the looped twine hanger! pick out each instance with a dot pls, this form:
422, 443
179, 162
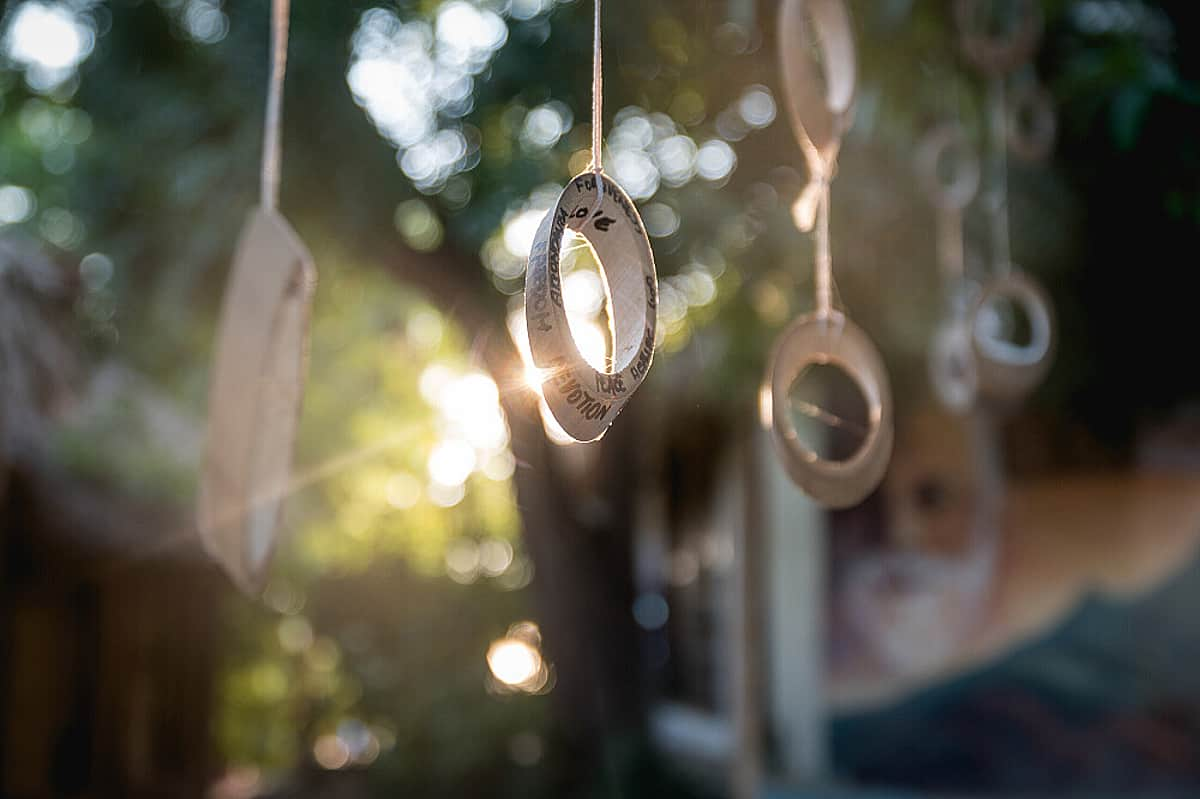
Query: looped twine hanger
996, 54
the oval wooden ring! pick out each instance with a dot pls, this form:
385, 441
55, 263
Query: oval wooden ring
1031, 142
1008, 372
998, 54
584, 400
952, 368
948, 140
820, 111
818, 340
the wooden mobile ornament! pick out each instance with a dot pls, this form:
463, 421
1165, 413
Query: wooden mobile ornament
1008, 371
948, 170
258, 368
583, 399
821, 111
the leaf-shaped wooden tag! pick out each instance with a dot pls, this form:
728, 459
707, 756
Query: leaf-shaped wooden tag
254, 398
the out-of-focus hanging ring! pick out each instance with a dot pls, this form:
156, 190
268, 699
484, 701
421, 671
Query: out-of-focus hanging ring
1008, 371
583, 399
948, 167
998, 52
816, 340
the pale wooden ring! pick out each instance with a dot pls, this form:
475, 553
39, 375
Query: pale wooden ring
583, 399
998, 54
1007, 373
948, 140
817, 340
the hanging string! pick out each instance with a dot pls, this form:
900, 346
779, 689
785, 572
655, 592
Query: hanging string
269, 185
822, 259
597, 93
998, 122
952, 239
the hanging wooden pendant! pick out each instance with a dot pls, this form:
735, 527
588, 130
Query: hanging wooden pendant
820, 102
950, 173
834, 340
1007, 368
1008, 371
254, 399
258, 368
585, 400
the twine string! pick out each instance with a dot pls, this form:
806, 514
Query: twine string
822, 259
269, 178
597, 93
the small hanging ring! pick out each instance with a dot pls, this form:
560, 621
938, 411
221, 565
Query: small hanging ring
948, 167
584, 400
821, 340
997, 52
1007, 371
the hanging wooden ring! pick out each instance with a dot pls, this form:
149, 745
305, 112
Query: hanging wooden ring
948, 167
820, 103
815, 340
254, 397
1008, 372
583, 399
1032, 123
997, 53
